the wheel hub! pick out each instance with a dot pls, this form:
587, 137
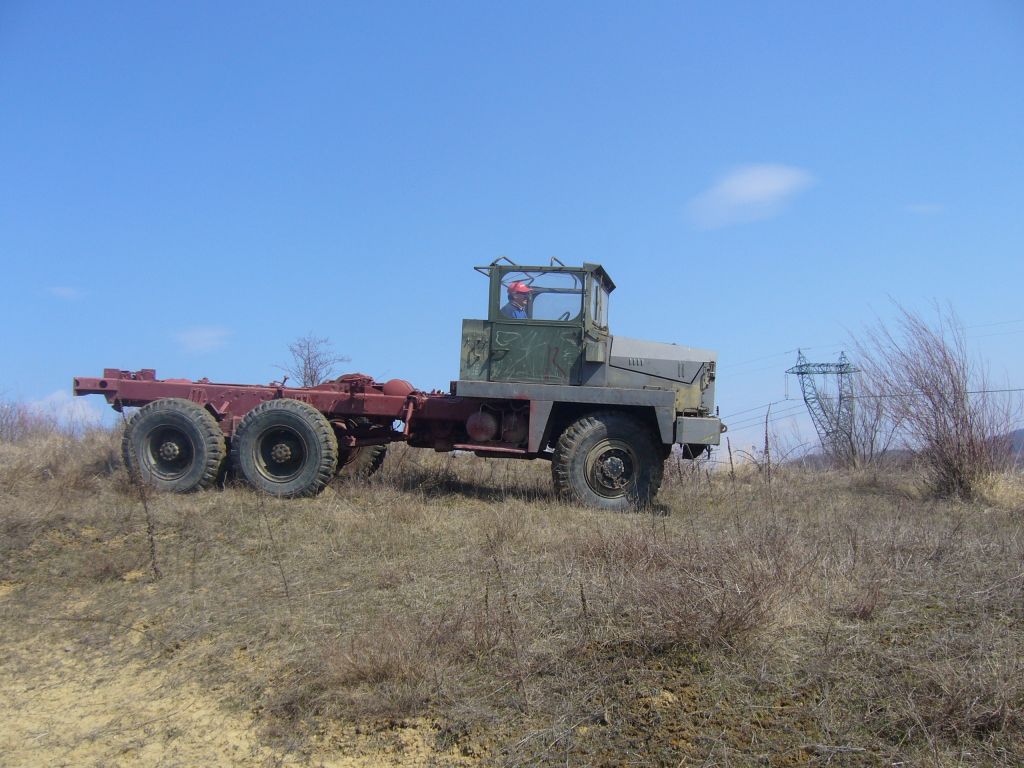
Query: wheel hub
281, 453
168, 453
612, 469
169, 450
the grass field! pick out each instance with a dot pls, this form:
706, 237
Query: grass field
451, 611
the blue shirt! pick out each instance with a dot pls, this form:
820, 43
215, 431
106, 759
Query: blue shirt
514, 312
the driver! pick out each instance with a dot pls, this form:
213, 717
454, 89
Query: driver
518, 296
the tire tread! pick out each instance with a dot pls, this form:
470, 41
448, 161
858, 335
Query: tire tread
209, 432
321, 427
569, 442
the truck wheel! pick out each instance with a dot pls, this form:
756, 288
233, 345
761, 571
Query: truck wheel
285, 448
607, 460
174, 445
361, 462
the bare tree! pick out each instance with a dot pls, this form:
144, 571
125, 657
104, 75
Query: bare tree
939, 398
312, 360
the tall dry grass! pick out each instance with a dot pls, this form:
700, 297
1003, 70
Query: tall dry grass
773, 615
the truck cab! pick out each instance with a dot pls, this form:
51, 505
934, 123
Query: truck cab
559, 348
560, 329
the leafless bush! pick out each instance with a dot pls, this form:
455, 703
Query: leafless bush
18, 421
875, 426
940, 398
312, 360
392, 668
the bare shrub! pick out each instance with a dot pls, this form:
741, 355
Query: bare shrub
393, 667
18, 421
940, 397
312, 360
958, 692
875, 426
654, 593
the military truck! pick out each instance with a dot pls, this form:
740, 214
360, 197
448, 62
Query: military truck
542, 377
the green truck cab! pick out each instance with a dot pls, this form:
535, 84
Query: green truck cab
605, 409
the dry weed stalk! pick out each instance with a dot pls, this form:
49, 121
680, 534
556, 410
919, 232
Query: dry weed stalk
275, 551
143, 490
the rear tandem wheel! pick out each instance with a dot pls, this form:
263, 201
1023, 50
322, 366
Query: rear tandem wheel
174, 445
361, 461
286, 448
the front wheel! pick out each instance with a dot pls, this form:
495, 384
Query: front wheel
285, 448
608, 460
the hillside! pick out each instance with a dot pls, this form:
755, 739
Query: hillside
1017, 441
451, 612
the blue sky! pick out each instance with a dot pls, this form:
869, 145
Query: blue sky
190, 186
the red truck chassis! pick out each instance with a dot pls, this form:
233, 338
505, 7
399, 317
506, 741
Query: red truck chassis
361, 411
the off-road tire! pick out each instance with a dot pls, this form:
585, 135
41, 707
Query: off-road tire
609, 460
285, 448
174, 445
361, 462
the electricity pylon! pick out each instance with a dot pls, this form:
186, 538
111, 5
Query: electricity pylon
832, 413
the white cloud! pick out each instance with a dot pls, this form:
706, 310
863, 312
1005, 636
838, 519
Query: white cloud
203, 338
64, 292
748, 193
925, 209
71, 413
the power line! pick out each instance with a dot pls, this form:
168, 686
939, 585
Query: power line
760, 424
757, 407
760, 359
1001, 333
997, 322
730, 366
923, 394
760, 417
785, 413
756, 420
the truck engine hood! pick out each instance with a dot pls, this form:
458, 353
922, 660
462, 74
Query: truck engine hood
664, 361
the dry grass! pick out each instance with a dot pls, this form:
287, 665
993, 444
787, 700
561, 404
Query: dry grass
821, 618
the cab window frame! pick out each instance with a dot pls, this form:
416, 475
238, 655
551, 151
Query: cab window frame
506, 275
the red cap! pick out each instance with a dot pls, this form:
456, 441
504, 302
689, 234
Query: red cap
518, 287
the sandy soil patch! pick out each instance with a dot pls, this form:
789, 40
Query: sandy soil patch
71, 706
59, 706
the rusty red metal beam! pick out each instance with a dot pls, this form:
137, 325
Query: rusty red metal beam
435, 419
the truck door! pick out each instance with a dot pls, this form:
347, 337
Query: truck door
545, 346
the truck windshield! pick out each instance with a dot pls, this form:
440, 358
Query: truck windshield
543, 296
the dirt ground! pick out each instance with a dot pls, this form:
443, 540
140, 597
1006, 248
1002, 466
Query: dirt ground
68, 704
71, 697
